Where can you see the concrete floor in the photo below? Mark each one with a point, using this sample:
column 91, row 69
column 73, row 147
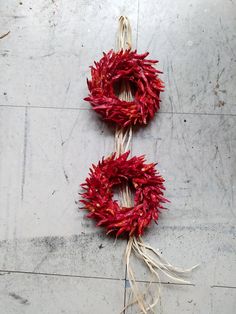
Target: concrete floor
column 52, row 259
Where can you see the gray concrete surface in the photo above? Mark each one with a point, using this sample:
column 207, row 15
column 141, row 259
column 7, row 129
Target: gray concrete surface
column 52, row 259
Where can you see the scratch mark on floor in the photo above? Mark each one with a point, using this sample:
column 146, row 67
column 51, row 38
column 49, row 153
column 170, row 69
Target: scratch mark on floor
column 4, row 35
column 71, row 131
column 24, row 153
column 228, row 42
column 37, row 267
column 68, row 87
column 66, row 175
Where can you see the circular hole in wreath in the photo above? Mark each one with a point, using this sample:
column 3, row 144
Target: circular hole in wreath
column 124, row 187
column 124, row 85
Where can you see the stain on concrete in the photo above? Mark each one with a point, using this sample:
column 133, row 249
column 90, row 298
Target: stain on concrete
column 19, row 298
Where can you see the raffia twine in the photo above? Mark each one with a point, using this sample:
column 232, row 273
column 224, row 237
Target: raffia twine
column 152, row 258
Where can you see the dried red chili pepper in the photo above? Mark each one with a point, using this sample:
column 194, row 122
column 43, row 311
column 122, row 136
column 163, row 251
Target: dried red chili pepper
column 110, row 71
column 148, row 199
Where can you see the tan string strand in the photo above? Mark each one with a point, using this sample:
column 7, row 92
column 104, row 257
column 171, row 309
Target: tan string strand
column 153, row 260
column 123, row 138
column 122, row 142
column 124, row 41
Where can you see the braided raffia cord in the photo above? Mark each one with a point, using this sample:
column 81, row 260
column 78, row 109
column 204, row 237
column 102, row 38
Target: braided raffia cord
column 150, row 257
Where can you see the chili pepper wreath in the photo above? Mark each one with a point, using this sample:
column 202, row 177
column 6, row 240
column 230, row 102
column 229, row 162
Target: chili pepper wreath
column 148, row 198
column 131, row 68
column 125, row 89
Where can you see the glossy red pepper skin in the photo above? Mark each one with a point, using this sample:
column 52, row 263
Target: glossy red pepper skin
column 115, row 67
column 148, row 198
